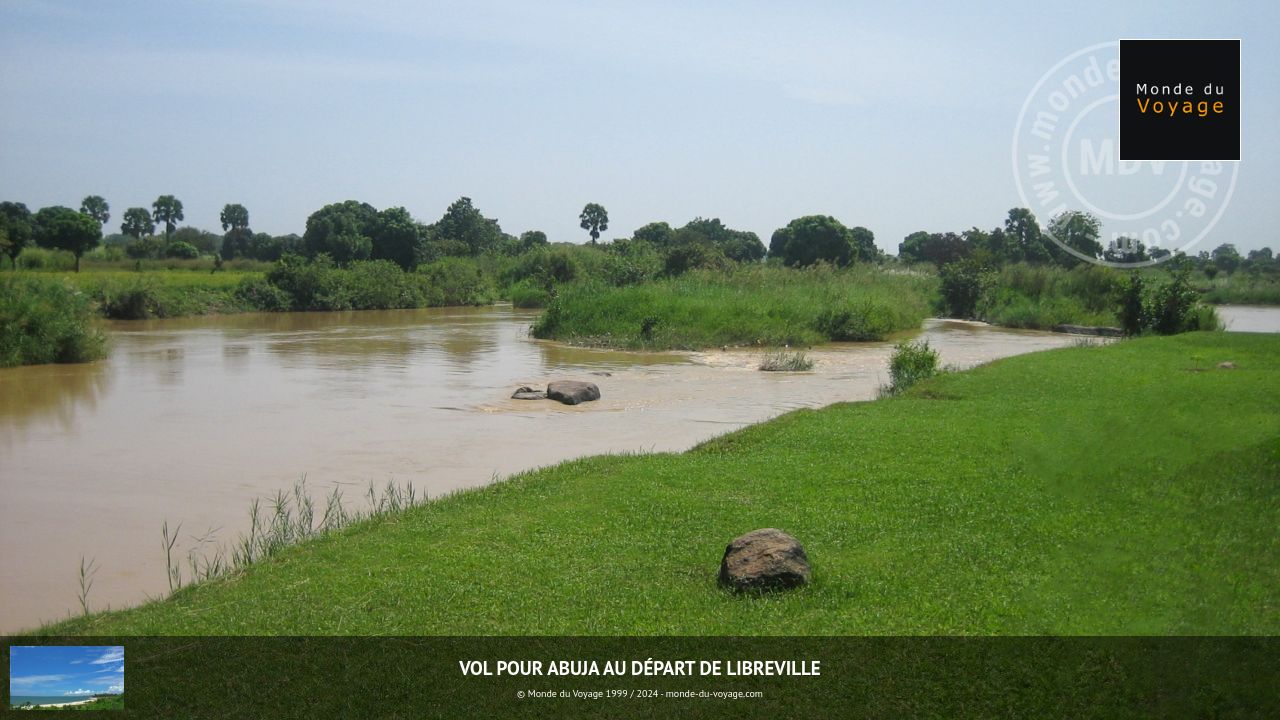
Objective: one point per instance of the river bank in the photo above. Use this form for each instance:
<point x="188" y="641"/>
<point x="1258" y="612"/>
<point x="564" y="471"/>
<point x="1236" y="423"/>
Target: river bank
<point x="977" y="503"/>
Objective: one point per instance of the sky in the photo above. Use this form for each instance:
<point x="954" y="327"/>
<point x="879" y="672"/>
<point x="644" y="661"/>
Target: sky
<point x="895" y="116"/>
<point x="65" y="670"/>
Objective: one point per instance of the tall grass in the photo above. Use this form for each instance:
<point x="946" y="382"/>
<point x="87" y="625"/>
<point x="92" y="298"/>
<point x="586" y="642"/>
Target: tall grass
<point x="786" y="361"/>
<point x="44" y="320"/>
<point x="749" y="305"/>
<point x="1244" y="289"/>
<point x="283" y="520"/>
<point x="1043" y="296"/>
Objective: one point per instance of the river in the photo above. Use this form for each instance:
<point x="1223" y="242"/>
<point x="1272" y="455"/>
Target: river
<point x="190" y="419"/>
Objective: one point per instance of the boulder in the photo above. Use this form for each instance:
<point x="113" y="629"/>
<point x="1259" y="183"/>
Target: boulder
<point x="766" y="559"/>
<point x="528" y="393"/>
<point x="572" y="392"/>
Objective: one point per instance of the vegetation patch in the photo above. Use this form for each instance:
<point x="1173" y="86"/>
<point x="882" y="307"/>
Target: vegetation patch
<point x="911" y="362"/>
<point x="786" y="361"/>
<point x="750" y="305"/>
<point x="45" y="320"/>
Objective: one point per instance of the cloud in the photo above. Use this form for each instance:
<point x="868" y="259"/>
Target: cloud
<point x="29" y="680"/>
<point x="78" y="692"/>
<point x="116" y="688"/>
<point x="115" y="654"/>
<point x="75" y="662"/>
<point x="117" y="669"/>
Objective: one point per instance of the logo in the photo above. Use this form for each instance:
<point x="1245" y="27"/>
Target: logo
<point x="1066" y="158"/>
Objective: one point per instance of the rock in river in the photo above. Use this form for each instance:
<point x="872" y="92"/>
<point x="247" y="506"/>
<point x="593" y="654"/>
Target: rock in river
<point x="528" y="393"/>
<point x="766" y="559"/>
<point x="572" y="392"/>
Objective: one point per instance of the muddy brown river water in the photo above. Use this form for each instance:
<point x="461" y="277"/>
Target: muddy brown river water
<point x="190" y="419"/>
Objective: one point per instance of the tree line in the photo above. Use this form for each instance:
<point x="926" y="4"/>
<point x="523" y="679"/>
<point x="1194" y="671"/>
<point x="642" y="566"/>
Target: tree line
<point x="352" y="230"/>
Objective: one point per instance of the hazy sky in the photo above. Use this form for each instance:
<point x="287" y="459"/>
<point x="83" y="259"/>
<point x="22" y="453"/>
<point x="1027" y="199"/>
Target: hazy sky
<point x="895" y="116"/>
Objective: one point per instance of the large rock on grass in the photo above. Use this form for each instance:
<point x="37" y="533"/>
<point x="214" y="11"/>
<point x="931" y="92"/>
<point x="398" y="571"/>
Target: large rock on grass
<point x="572" y="392"/>
<point x="766" y="559"/>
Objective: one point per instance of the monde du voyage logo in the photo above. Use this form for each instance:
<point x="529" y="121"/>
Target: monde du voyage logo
<point x="1180" y="100"/>
<point x="1141" y="135"/>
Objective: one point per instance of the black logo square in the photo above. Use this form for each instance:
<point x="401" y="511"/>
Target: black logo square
<point x="1179" y="100"/>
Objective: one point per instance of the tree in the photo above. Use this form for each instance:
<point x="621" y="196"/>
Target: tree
<point x="167" y="209"/>
<point x="692" y="250"/>
<point x="809" y="239"/>
<point x="1261" y="255"/>
<point x="396" y="237"/>
<point x="912" y="247"/>
<point x="594" y="219"/>
<point x="16" y="231"/>
<point x="97" y="208"/>
<point x="1023" y="240"/>
<point x="202" y="240"/>
<point x="65" y="229"/>
<point x="738" y="245"/>
<point x="341" y="231"/>
<point x="1078" y="231"/>
<point x="743" y="246"/>
<point x="464" y="223"/>
<point x="1125" y="249"/>
<point x="530" y="239"/>
<point x="937" y="248"/>
<point x="235" y="223"/>
<point x="137" y="222"/>
<point x="657" y="234"/>
<point x="963" y="285"/>
<point x="864" y="244"/>
<point x="1227" y="258"/>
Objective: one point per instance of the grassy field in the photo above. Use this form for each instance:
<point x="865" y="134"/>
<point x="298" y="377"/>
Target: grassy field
<point x="1126" y="489"/>
<point x="761" y="306"/>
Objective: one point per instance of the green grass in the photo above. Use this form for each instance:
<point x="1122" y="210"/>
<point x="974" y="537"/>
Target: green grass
<point x="162" y="293"/>
<point x="750" y="305"/>
<point x="1124" y="489"/>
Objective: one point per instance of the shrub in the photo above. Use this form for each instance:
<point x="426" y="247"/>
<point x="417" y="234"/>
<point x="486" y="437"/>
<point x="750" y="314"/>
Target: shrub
<point x="46" y="321"/>
<point x="867" y="320"/>
<point x="1133" y="316"/>
<point x="310" y="284"/>
<point x="1172" y="308"/>
<point x="135" y="298"/>
<point x="147" y="248"/>
<point x="38" y="258"/>
<point x="179" y="249"/>
<point x="529" y="294"/>
<point x="963" y="284"/>
<point x="256" y="293"/>
<point x="911" y="363"/>
<point x="456" y="281"/>
<point x="546" y="266"/>
<point x="381" y="284"/>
